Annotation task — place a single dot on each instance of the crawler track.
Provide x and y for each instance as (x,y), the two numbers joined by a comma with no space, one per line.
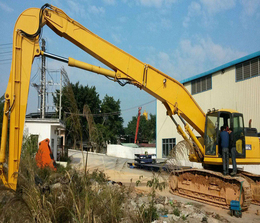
(254,181)
(210,187)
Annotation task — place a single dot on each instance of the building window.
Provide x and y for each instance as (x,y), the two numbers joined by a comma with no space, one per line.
(201,84)
(167,145)
(248,69)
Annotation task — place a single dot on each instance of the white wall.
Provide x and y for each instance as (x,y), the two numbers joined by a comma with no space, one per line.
(127,152)
(165,128)
(243,96)
(54,136)
(43,130)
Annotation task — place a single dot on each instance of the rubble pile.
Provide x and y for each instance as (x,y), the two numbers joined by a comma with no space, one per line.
(169,210)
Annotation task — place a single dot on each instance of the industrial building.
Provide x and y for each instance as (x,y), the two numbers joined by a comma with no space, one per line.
(234,85)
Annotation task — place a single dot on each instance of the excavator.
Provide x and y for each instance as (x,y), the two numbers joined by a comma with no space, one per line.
(207,185)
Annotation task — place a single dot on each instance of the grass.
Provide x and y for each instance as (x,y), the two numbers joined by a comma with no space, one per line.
(62,196)
(184,218)
(176,212)
(66,195)
(80,199)
(149,213)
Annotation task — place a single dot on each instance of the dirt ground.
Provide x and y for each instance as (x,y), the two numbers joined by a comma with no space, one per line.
(118,170)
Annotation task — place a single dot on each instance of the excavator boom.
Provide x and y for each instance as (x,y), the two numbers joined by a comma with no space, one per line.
(203,185)
(123,67)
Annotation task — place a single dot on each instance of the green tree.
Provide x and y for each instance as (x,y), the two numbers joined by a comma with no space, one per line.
(112,123)
(74,97)
(147,128)
(131,126)
(152,127)
(108,119)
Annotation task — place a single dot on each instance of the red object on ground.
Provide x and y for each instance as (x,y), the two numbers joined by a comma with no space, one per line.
(44,157)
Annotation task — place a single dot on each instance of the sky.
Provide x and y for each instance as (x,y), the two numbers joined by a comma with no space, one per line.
(180,38)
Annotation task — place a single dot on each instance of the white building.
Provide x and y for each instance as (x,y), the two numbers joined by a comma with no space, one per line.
(49,128)
(235,85)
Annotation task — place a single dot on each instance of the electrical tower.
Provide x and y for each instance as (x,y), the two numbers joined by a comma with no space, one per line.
(48,85)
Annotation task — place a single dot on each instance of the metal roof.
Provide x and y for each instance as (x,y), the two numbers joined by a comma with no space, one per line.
(232,63)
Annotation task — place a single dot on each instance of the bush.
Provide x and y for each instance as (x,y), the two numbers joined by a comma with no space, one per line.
(43,195)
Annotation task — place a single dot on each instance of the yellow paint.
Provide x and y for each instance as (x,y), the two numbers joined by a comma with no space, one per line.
(145,114)
(240,161)
(239,146)
(170,92)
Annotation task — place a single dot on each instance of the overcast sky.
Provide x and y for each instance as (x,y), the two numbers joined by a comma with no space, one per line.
(180,38)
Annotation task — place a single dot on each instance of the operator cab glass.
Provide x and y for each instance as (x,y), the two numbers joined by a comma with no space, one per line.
(214,121)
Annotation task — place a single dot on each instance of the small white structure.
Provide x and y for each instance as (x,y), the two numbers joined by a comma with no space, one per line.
(128,152)
(46,128)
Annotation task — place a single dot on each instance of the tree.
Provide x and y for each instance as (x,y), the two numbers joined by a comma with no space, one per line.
(131,126)
(74,97)
(106,113)
(112,123)
(152,127)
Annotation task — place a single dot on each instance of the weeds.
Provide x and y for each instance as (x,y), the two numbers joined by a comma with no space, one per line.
(176,212)
(66,195)
(183,217)
(148,213)
(189,203)
(62,196)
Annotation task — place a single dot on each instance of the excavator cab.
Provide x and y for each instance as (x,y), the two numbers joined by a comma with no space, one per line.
(214,121)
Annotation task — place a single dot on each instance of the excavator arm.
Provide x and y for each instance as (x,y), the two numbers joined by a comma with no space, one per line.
(170,92)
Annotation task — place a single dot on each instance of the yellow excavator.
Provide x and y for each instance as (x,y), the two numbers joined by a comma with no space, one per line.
(206,184)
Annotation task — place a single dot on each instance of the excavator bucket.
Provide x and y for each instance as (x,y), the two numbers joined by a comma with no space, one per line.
(44,157)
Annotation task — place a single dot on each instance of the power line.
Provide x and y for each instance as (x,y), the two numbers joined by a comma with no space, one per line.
(113,113)
(32,79)
(4,44)
(149,102)
(5,63)
(5,59)
(6,52)
(5,47)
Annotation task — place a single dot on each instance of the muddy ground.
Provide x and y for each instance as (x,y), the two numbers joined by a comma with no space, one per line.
(170,207)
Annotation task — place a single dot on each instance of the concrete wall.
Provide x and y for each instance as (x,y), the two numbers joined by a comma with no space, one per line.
(127,152)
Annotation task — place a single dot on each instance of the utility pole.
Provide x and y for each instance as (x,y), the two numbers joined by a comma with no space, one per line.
(60,94)
(43,82)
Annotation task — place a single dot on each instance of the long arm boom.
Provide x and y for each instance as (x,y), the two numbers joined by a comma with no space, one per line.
(170,92)
(173,94)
